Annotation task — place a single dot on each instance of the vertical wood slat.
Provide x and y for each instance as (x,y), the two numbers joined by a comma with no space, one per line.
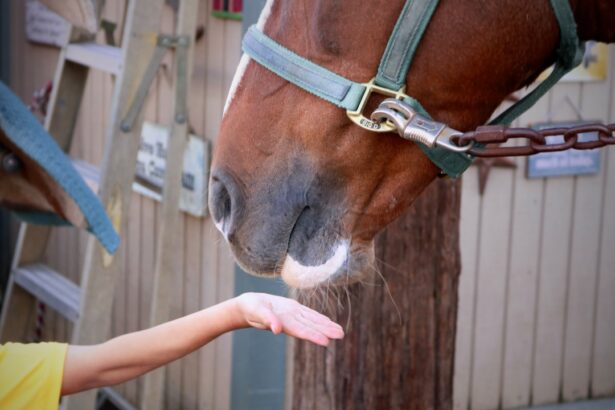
(553,266)
(603,360)
(226,282)
(214,93)
(168,267)
(191,229)
(584,253)
(522,276)
(469,238)
(490,277)
(602,374)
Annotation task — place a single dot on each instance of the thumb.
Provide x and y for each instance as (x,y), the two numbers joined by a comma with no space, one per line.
(268,320)
(274,323)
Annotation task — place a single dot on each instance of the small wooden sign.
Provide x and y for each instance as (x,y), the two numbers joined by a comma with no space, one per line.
(151,165)
(44,26)
(564,163)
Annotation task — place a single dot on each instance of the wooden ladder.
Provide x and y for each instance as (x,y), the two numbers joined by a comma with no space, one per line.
(134,66)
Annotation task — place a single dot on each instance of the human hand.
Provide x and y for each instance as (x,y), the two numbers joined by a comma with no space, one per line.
(280,314)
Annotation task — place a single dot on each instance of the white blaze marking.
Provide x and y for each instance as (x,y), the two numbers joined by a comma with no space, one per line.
(245,59)
(299,276)
(241,69)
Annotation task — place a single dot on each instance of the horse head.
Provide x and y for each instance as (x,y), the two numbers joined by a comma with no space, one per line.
(297,189)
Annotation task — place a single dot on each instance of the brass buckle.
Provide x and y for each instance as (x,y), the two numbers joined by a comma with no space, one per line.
(361,120)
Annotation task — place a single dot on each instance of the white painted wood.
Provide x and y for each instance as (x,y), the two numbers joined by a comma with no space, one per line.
(603,353)
(82,13)
(226,283)
(99,56)
(584,253)
(100,269)
(469,237)
(89,173)
(492,267)
(166,266)
(51,288)
(553,271)
(522,278)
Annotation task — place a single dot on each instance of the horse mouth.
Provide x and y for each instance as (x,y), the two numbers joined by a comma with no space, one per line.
(300,276)
(316,253)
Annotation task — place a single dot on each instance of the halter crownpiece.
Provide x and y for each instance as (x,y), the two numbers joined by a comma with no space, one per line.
(402,113)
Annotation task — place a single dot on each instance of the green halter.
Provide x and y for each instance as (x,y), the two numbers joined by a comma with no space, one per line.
(392,72)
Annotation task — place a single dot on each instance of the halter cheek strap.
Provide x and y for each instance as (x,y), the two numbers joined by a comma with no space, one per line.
(569,55)
(393,70)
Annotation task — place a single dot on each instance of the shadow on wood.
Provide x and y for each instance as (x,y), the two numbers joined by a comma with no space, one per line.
(398,352)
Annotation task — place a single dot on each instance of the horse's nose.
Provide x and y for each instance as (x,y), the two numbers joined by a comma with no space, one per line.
(225,202)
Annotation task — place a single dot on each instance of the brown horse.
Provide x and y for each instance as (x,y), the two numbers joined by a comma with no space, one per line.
(299,190)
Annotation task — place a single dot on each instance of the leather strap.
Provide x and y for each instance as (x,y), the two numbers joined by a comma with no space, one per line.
(403,42)
(311,77)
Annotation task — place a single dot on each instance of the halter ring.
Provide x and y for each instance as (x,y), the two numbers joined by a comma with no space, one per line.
(361,120)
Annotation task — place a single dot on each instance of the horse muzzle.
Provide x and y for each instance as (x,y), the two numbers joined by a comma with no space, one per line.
(291,225)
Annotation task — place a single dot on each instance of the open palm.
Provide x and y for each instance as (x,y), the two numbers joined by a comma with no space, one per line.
(280,314)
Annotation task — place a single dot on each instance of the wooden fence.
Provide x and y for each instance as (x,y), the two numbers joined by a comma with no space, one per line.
(536,314)
(536,321)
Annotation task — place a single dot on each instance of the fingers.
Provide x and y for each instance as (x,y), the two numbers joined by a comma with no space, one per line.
(322,323)
(307,324)
(280,314)
(327,328)
(293,327)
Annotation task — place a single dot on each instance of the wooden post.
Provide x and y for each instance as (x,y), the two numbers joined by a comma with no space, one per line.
(398,352)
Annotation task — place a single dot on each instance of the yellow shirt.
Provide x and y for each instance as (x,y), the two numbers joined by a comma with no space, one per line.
(31,375)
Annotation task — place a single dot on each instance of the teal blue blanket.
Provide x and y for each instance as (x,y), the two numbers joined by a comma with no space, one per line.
(25,132)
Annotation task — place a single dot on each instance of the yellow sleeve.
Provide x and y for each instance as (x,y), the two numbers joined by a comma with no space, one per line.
(31,375)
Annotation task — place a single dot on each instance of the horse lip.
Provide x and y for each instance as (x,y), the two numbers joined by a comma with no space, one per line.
(290,236)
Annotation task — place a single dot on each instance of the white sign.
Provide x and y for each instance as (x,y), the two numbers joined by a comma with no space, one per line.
(44,26)
(564,163)
(151,165)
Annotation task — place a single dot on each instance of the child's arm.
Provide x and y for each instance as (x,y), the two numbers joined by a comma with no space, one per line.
(131,355)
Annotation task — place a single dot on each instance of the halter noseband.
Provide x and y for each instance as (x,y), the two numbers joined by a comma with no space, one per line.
(401,112)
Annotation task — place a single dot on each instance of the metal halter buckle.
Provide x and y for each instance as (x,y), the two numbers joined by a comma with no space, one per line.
(361,120)
(415,127)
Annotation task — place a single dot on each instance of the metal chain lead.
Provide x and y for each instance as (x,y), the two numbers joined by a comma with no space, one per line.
(485,141)
(537,142)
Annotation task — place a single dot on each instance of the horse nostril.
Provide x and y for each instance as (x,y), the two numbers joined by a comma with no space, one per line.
(224,201)
(221,201)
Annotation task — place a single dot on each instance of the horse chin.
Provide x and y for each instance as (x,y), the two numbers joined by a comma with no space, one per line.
(347,265)
(344,267)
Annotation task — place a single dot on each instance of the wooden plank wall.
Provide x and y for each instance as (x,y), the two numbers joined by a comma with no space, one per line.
(201,380)
(536,312)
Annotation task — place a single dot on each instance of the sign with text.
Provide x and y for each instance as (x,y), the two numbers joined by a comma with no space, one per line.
(563,163)
(151,165)
(44,26)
